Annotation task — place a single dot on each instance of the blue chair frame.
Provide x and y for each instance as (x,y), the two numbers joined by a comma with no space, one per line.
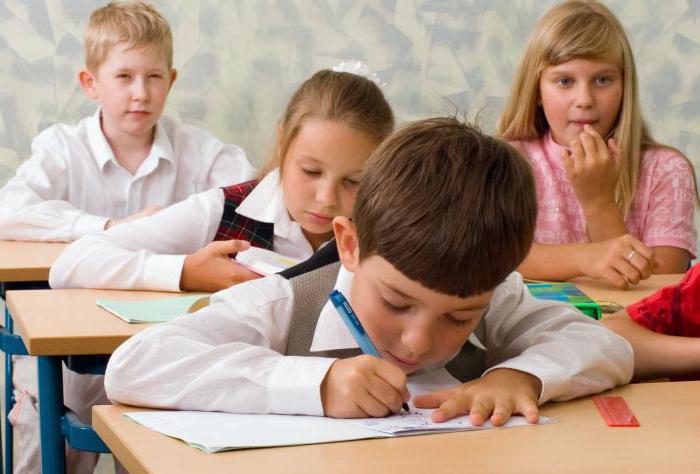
(57,424)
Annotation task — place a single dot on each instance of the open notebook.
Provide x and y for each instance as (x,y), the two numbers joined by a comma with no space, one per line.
(212,432)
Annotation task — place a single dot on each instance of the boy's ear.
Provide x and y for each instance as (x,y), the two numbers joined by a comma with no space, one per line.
(88,82)
(346,240)
(173,76)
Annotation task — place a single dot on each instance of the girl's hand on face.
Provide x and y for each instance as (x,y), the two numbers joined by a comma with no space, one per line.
(623,261)
(495,396)
(363,386)
(212,269)
(593,168)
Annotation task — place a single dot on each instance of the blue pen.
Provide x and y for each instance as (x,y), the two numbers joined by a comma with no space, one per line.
(355,327)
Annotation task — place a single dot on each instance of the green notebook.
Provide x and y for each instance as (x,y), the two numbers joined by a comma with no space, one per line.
(568,293)
(152,311)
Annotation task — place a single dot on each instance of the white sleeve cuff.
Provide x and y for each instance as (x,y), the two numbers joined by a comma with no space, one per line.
(88,223)
(162,272)
(295,385)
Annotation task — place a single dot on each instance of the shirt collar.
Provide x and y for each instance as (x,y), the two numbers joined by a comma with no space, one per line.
(331,332)
(102,151)
(266,204)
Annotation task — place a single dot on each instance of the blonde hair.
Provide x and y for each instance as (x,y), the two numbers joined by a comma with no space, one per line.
(343,97)
(135,23)
(580,29)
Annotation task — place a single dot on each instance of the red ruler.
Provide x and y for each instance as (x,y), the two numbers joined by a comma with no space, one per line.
(615,411)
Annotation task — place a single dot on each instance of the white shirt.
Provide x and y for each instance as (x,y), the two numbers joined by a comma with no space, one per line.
(72,184)
(228,356)
(149,253)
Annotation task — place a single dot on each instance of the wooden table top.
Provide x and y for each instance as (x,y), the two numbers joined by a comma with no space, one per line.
(667,441)
(601,290)
(27,261)
(68,322)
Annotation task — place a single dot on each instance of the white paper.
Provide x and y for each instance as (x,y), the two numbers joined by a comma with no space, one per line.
(212,432)
(264,262)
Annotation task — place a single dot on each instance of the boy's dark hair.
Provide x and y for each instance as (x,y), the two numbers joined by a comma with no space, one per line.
(447,206)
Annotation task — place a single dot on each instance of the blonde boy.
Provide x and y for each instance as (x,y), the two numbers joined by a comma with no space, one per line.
(124,161)
(443,216)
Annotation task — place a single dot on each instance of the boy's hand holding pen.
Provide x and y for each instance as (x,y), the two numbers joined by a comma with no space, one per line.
(363,386)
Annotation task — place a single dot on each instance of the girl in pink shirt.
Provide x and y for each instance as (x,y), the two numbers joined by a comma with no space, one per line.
(613,203)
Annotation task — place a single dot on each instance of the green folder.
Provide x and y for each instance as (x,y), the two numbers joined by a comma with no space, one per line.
(568,293)
(151,311)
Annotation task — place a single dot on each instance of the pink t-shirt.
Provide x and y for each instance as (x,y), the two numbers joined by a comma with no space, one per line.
(661,214)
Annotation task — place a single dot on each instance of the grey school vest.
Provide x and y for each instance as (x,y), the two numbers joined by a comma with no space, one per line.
(311,287)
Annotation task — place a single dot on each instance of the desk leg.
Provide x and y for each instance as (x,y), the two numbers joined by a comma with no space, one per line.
(53,451)
(9,401)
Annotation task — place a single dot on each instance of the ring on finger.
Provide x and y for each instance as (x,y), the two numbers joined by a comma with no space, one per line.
(631,255)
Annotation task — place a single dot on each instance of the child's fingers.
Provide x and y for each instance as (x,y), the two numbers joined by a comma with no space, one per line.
(371,406)
(460,403)
(390,399)
(240,273)
(228,247)
(394,376)
(590,148)
(480,411)
(600,147)
(567,161)
(502,411)
(433,399)
(528,408)
(616,152)
(578,156)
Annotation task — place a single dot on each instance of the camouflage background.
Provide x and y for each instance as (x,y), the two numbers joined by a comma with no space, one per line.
(239,61)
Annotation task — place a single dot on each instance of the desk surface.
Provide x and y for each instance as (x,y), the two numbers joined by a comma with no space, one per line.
(27,261)
(602,290)
(68,322)
(669,414)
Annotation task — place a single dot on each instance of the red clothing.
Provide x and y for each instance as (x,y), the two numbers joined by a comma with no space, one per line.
(674,310)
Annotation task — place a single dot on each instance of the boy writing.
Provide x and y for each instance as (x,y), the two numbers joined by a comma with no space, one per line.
(443,216)
(123,162)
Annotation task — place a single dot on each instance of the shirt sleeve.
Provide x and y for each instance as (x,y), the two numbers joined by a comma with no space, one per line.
(669,219)
(145,254)
(33,204)
(674,310)
(226,357)
(572,354)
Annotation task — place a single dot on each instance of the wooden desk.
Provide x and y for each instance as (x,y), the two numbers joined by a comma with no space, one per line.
(56,323)
(68,322)
(27,261)
(602,290)
(669,414)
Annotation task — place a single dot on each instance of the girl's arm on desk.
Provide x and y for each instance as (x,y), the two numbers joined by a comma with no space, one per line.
(656,355)
(621,261)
